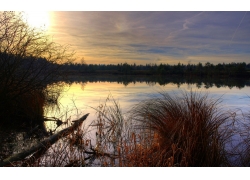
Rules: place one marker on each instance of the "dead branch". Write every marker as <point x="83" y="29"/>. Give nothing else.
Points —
<point x="43" y="146"/>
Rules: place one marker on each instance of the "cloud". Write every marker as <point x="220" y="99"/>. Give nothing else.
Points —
<point x="104" y="37"/>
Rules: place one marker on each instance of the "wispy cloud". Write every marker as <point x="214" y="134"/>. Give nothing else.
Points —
<point x="143" y="37"/>
<point x="238" y="27"/>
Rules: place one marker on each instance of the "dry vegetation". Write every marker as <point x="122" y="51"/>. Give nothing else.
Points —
<point x="172" y="130"/>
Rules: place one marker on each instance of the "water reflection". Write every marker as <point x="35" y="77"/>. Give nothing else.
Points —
<point x="163" y="81"/>
<point x="86" y="93"/>
<point x="82" y="95"/>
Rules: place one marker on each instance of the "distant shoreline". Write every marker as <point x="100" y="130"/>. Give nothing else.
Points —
<point x="147" y="73"/>
<point x="161" y="80"/>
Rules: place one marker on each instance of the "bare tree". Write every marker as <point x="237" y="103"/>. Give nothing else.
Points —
<point x="29" y="61"/>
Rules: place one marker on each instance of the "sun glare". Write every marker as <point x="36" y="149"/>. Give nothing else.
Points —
<point x="38" y="19"/>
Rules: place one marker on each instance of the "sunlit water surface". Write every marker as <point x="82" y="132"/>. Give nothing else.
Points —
<point x="78" y="99"/>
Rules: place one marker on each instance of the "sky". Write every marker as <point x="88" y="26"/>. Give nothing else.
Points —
<point x="143" y="37"/>
<point x="154" y="37"/>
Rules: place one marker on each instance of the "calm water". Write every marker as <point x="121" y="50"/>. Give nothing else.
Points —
<point x="80" y="98"/>
<point x="83" y="96"/>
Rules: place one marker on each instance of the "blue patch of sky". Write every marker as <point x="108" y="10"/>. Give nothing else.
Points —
<point x="180" y="52"/>
<point x="157" y="50"/>
<point x="235" y="49"/>
<point x="224" y="18"/>
<point x="217" y="24"/>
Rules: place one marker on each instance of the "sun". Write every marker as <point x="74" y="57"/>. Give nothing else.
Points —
<point x="38" y="19"/>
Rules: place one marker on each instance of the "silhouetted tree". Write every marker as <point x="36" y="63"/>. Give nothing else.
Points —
<point x="29" y="61"/>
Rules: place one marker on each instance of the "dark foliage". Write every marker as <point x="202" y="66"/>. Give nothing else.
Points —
<point x="208" y="70"/>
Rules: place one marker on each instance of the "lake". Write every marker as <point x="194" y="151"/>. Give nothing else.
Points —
<point x="83" y="95"/>
<point x="86" y="95"/>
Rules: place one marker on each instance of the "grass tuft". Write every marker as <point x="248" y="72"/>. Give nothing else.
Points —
<point x="189" y="128"/>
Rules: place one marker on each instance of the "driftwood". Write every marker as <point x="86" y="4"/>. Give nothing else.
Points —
<point x="44" y="145"/>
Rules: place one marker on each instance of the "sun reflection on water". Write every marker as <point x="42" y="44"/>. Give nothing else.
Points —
<point x="80" y="98"/>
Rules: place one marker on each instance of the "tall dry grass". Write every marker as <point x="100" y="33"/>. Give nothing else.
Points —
<point x="189" y="128"/>
<point x="239" y="145"/>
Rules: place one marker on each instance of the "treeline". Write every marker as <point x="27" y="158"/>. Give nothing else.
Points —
<point x="206" y="82"/>
<point x="208" y="69"/>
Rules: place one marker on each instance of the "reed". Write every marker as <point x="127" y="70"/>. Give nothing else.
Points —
<point x="189" y="128"/>
<point x="239" y="144"/>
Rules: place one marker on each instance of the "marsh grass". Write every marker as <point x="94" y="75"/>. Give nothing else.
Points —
<point x="66" y="152"/>
<point x="187" y="129"/>
<point x="111" y="128"/>
<point x="165" y="131"/>
<point x="69" y="151"/>
<point x="239" y="146"/>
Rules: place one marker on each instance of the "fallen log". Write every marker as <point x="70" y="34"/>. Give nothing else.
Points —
<point x="44" y="145"/>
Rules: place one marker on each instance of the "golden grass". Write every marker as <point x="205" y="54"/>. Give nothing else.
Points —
<point x="184" y="130"/>
<point x="188" y="126"/>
